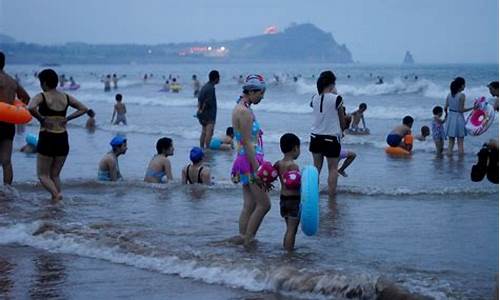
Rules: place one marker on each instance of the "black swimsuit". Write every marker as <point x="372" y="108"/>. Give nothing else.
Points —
<point x="49" y="143"/>
<point x="189" y="179"/>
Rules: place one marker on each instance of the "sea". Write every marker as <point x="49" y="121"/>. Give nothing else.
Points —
<point x="418" y="223"/>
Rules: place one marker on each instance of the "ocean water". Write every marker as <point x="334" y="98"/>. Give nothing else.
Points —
<point x="419" y="222"/>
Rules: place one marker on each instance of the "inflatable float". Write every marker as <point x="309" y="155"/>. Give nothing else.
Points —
<point x="215" y="144"/>
<point x="175" y="88"/>
<point x="397" y="151"/>
<point x="364" y="131"/>
<point x="71" y="87"/>
<point x="14" y="114"/>
<point x="309" y="200"/>
<point x="481" y="118"/>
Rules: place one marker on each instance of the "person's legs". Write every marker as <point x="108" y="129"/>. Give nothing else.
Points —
<point x="318" y="161"/>
<point x="202" y="136"/>
<point x="248" y="208"/>
<point x="43" y="167"/>
<point x="209" y="133"/>
<point x="350" y="158"/>
<point x="439" y="146"/>
<point x="292" y="225"/>
<point x="451" y="144"/>
<point x="55" y="170"/>
<point x="5" y="160"/>
<point x="263" y="205"/>
<point x="332" y="175"/>
<point x="460" y="144"/>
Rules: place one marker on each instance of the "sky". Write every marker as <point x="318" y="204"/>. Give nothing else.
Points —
<point x="376" y="31"/>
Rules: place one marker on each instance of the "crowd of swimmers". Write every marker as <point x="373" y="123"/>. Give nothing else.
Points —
<point x="245" y="136"/>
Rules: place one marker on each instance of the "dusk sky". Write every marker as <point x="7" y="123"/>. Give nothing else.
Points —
<point x="444" y="31"/>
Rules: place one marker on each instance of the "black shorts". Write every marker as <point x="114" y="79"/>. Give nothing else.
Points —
<point x="290" y="206"/>
<point x="7" y="131"/>
<point x="53" y="144"/>
<point x="326" y="145"/>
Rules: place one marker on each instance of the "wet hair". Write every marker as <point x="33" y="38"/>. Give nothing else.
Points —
<point x="91" y="113"/>
<point x="437" y="110"/>
<point x="174" y="80"/>
<point x="325" y="79"/>
<point x="230" y="131"/>
<point x="493" y="84"/>
<point x="362" y="106"/>
<point x="213" y="75"/>
<point x="49" y="77"/>
<point x="408" y="120"/>
<point x="2" y="60"/>
<point x="425" y="131"/>
<point x="288" y="141"/>
<point x="194" y="76"/>
<point x="163" y="143"/>
<point x="118" y="97"/>
<point x="456" y="85"/>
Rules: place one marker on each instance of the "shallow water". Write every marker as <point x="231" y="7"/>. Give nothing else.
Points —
<point x="419" y="222"/>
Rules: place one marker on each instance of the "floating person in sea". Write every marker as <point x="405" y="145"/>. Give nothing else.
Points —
<point x="109" y="170"/>
<point x="289" y="175"/>
<point x="196" y="86"/>
<point x="115" y="80"/>
<point x="90" y="125"/>
<point x="196" y="171"/>
<point x="31" y="144"/>
<point x="356" y="117"/>
<point x="120" y="110"/>
<point x="401" y="136"/>
<point x="424" y="133"/>
<point x="175" y="87"/>
<point x="380" y="80"/>
<point x="224" y="143"/>
<point x="72" y="81"/>
<point x="107" y="83"/>
<point x="159" y="168"/>
<point x="437" y="126"/>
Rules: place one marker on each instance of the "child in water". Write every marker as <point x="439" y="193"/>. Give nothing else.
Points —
<point x="224" y="143"/>
<point x="438" y="134"/>
<point x="358" y="116"/>
<point x="159" y="168"/>
<point x="90" y="125"/>
<point x="31" y="143"/>
<point x="120" y="110"/>
<point x="196" y="172"/>
<point x="289" y="176"/>
<point x="424" y="133"/>
<point x="401" y="135"/>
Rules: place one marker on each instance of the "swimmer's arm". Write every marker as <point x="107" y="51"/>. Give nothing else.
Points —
<point x="184" y="176"/>
<point x="167" y="168"/>
<point x="22" y="94"/>
<point x="113" y="170"/>
<point x="124" y="109"/>
<point x="205" y="175"/>
<point x="33" y="108"/>
<point x="114" y="113"/>
<point x="246" y="122"/>
<point x="462" y="104"/>
<point x="80" y="108"/>
<point x="363" y="121"/>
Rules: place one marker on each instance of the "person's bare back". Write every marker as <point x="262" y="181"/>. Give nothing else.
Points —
<point x="120" y="108"/>
<point x="9" y="88"/>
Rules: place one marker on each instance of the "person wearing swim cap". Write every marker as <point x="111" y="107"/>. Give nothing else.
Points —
<point x="207" y="109"/>
<point x="9" y="89"/>
<point x="290" y="193"/>
<point x="109" y="170"/>
<point x="249" y="156"/>
<point x="50" y="108"/>
<point x="159" y="168"/>
<point x="196" y="172"/>
<point x="31" y="143"/>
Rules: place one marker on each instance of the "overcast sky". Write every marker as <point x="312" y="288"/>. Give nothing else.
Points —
<point x="435" y="31"/>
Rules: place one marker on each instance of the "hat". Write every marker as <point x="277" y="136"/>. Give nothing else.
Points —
<point x="255" y="82"/>
<point x="117" y="141"/>
<point x="196" y="154"/>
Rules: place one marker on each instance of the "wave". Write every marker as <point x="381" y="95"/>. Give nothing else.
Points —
<point x="288" y="280"/>
<point x="226" y="185"/>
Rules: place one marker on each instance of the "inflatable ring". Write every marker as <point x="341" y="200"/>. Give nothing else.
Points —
<point x="309" y="201"/>
<point x="397" y="151"/>
<point x="215" y="143"/>
<point x="481" y="118"/>
<point x="14" y="114"/>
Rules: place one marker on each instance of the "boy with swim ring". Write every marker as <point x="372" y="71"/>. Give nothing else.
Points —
<point x="289" y="176"/>
<point x="159" y="168"/>
<point x="401" y="135"/>
<point x="196" y="172"/>
<point x="224" y="143"/>
<point x="109" y="170"/>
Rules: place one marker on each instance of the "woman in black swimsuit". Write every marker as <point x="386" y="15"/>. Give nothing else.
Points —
<point x="49" y="108"/>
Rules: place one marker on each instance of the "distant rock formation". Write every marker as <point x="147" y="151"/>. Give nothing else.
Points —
<point x="6" y="39"/>
<point x="408" y="60"/>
